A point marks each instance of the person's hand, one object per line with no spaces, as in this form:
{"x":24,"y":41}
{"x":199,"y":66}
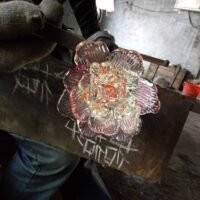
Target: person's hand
{"x":19,"y":20}
{"x":105,"y":37}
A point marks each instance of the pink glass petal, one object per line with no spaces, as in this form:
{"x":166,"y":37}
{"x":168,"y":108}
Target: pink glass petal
{"x":63,"y":105}
{"x":147,"y":97}
{"x":125,"y":138}
{"x":122,"y":137}
{"x":80,"y":109}
{"x":85,"y":130}
{"x":127,"y":58}
{"x":129,"y":122}
{"x":107,"y":126}
{"x":73,"y":76}
{"x":88,"y":52}
{"x":84,"y":82}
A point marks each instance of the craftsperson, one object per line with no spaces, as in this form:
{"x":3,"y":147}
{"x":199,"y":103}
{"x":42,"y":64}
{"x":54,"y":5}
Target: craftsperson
{"x":37,"y":171}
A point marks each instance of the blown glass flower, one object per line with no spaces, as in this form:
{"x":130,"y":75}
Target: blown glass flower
{"x":105,"y":94}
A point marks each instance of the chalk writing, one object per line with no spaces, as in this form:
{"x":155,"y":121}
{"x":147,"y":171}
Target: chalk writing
{"x":37,"y":68}
{"x":102,"y":149}
{"x":36,"y":86}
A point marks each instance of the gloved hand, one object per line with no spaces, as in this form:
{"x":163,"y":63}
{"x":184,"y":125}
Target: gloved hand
{"x":18,"y":21}
{"x":89,"y":24}
{"x":105,"y":37}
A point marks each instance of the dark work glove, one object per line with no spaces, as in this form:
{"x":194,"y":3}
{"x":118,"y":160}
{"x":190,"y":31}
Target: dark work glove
{"x":106,"y":37}
{"x":85,"y":12}
{"x":18,"y":46}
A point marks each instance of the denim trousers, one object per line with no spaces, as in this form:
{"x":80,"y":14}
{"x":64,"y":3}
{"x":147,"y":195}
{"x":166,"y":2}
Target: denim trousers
{"x":37,"y":170}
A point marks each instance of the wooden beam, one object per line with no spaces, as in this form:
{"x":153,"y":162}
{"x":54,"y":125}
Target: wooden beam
{"x":154,"y":60}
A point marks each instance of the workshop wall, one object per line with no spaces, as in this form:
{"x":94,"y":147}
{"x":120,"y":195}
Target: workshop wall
{"x":155,"y":28}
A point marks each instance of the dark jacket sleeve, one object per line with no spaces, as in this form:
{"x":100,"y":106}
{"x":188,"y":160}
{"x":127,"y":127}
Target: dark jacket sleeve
{"x":86,"y":16}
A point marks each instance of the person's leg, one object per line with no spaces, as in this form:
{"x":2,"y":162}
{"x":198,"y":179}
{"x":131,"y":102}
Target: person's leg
{"x":7,"y":149}
{"x":36,"y":170}
{"x":94,"y":188}
{"x":85,"y":183}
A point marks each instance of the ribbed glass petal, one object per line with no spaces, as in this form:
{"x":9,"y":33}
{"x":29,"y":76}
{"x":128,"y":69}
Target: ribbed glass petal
{"x":84,"y":82}
{"x":125,"y":138}
{"x":79,"y":106}
{"x":63,"y":106}
{"x":147,"y":97}
{"x":85,"y":130}
{"x":130,"y":121}
{"x":88,"y":52}
{"x":73,"y":76}
{"x":107,"y":126}
{"x":128,"y":59}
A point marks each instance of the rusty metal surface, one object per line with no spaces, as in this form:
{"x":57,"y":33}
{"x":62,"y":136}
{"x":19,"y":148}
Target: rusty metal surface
{"x":28,"y":108}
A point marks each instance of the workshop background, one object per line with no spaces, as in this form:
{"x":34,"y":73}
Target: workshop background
{"x":155,"y":28}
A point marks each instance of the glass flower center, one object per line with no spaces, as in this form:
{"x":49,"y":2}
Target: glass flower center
{"x":111,"y":90}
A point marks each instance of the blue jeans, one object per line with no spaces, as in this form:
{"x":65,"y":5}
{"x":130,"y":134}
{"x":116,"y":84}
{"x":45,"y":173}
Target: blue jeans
{"x":36,"y":171}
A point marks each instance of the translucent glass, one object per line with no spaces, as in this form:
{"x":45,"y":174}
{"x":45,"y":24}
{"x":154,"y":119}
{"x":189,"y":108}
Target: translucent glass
{"x":147,"y":97}
{"x":73,"y":76}
{"x":105,"y":94}
{"x":64,"y":106}
{"x":88,"y":52}
{"x":111,"y":98}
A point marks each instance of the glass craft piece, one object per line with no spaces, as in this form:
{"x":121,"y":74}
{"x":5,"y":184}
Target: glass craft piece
{"x":105,"y":94}
{"x":88,"y":52}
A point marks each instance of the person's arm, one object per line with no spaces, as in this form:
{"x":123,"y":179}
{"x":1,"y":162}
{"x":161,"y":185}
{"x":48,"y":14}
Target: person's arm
{"x":85,"y":12}
{"x":86,"y":15}
{"x":18,"y":46}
